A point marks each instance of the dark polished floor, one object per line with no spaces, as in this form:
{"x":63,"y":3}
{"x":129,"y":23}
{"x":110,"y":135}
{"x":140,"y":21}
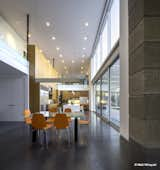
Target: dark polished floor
{"x":99,"y":148}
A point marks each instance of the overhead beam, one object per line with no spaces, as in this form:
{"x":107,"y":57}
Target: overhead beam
{"x":59,"y":80}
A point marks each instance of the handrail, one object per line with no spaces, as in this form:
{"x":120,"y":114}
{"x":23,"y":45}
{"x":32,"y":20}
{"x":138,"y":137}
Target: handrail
{"x":5,"y":49}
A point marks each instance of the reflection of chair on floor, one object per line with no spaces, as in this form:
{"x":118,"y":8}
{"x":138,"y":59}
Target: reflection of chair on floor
{"x":39,"y":123}
{"x":61,"y":122}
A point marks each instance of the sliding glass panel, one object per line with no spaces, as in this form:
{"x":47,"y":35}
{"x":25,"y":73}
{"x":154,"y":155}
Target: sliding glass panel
{"x":98,"y":97}
{"x":115,"y":93}
{"x":105,"y":95}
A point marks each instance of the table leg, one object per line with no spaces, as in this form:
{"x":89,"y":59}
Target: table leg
{"x":76,"y":129}
{"x":34,"y":136}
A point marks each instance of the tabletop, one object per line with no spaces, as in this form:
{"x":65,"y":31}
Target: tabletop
{"x":71,"y":114}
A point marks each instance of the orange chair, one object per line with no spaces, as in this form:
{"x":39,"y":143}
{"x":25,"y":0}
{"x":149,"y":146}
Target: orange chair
{"x":67,"y":110}
{"x":86,"y":121}
{"x":61,"y":122}
{"x":39,"y":123}
{"x":53,"y":110}
{"x":27,"y":116}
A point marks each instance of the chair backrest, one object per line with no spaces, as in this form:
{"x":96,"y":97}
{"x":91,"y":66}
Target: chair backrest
{"x":27,"y":113}
{"x":38,"y":121}
{"x":61,"y":121}
{"x":67,"y":110}
{"x":53,"y":110}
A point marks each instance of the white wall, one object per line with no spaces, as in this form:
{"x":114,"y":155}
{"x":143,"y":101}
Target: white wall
{"x":124,"y":72}
{"x":14,"y":97}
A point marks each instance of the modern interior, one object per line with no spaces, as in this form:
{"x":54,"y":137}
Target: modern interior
{"x":79,"y":84}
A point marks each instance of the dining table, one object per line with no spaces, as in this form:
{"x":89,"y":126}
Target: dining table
{"x":75,"y":116}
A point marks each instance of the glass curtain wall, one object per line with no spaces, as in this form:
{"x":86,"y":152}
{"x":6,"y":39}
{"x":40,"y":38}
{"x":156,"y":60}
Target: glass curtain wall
{"x":108,"y":37}
{"x":108,"y":94}
{"x":115,"y":93}
{"x":98,"y":97}
{"x":105,"y":95}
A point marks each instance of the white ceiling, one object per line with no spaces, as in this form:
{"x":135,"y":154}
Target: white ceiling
{"x":67,"y":18}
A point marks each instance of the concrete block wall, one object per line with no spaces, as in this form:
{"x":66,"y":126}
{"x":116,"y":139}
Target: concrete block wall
{"x":144,"y":72}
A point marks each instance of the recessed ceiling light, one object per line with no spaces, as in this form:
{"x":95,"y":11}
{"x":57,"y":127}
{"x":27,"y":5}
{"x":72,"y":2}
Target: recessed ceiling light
{"x":85,"y":38}
{"x":83,"y":55}
{"x":48,"y":23}
{"x":57,"y":48}
{"x":53,"y":38}
{"x":62,"y":61}
{"x":60,"y":55}
{"x":81,"y":67}
{"x":48,"y":61}
{"x":65,"y":67}
{"x":87,"y":73}
{"x":84,"y":48}
{"x":86,"y":24}
{"x":73,"y":61}
{"x":29,"y":35}
{"x":82,"y":61}
{"x":40,"y":51}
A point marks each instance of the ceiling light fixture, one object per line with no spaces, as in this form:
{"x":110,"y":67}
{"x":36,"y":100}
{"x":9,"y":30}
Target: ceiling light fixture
{"x":53,"y":38}
{"x":81,"y":67}
{"x":57,"y":48}
{"x":73,"y":61}
{"x":40,"y":51}
{"x":65,"y":67}
{"x":85,"y":38}
{"x":86,"y":24}
{"x":29,"y":35}
{"x":62,"y":61}
{"x":60,"y":55}
{"x":84,"y":48}
{"x":48,"y":23}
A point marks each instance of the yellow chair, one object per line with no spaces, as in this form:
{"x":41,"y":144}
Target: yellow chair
{"x":39,"y":123}
{"x":61,"y":121}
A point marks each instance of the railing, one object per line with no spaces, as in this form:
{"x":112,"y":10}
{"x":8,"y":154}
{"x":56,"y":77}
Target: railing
{"x":74,"y":87}
{"x":10,"y":55}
